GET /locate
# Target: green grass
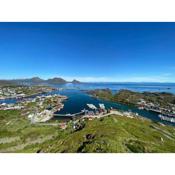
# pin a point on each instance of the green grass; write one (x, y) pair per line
(13, 124)
(116, 134)
(164, 99)
(112, 134)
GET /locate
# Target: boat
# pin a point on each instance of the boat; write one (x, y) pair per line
(91, 106)
(166, 118)
(102, 106)
(171, 115)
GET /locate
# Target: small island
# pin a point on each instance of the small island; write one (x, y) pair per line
(162, 103)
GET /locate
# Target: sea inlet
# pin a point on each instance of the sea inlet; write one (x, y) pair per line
(78, 98)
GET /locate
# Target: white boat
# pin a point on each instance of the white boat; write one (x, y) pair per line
(91, 106)
(167, 118)
(102, 106)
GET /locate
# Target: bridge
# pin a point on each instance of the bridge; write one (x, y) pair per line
(70, 115)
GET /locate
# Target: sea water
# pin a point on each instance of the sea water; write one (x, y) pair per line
(78, 98)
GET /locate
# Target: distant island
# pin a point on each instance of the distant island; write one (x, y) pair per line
(36, 80)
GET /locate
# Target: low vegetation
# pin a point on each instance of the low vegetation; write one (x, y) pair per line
(105, 94)
(17, 133)
(164, 99)
(130, 97)
(113, 134)
(116, 134)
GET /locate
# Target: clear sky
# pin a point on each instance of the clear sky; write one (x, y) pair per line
(102, 52)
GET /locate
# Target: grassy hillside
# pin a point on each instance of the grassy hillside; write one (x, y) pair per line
(17, 133)
(101, 93)
(116, 134)
(112, 134)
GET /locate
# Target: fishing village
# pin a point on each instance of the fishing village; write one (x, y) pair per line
(47, 112)
(161, 103)
(39, 107)
(32, 102)
(164, 113)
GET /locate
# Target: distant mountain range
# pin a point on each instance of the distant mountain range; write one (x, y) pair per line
(36, 80)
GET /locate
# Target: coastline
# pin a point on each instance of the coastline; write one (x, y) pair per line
(47, 114)
(45, 90)
(160, 103)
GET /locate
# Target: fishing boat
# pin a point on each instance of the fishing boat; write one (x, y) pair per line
(102, 106)
(91, 106)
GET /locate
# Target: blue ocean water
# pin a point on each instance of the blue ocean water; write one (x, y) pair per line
(78, 99)
(139, 87)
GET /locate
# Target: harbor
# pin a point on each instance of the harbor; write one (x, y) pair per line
(165, 114)
(93, 112)
(78, 100)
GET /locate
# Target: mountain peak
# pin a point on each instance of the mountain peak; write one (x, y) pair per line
(75, 81)
(37, 79)
(56, 80)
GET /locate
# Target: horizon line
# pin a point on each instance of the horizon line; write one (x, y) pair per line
(69, 81)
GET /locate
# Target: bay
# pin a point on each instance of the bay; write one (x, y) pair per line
(78, 99)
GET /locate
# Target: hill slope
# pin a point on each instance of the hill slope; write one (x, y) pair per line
(112, 134)
(116, 134)
(56, 81)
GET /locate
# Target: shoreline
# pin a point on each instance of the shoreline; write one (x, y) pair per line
(22, 94)
(47, 114)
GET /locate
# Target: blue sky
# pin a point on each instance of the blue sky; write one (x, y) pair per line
(101, 52)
